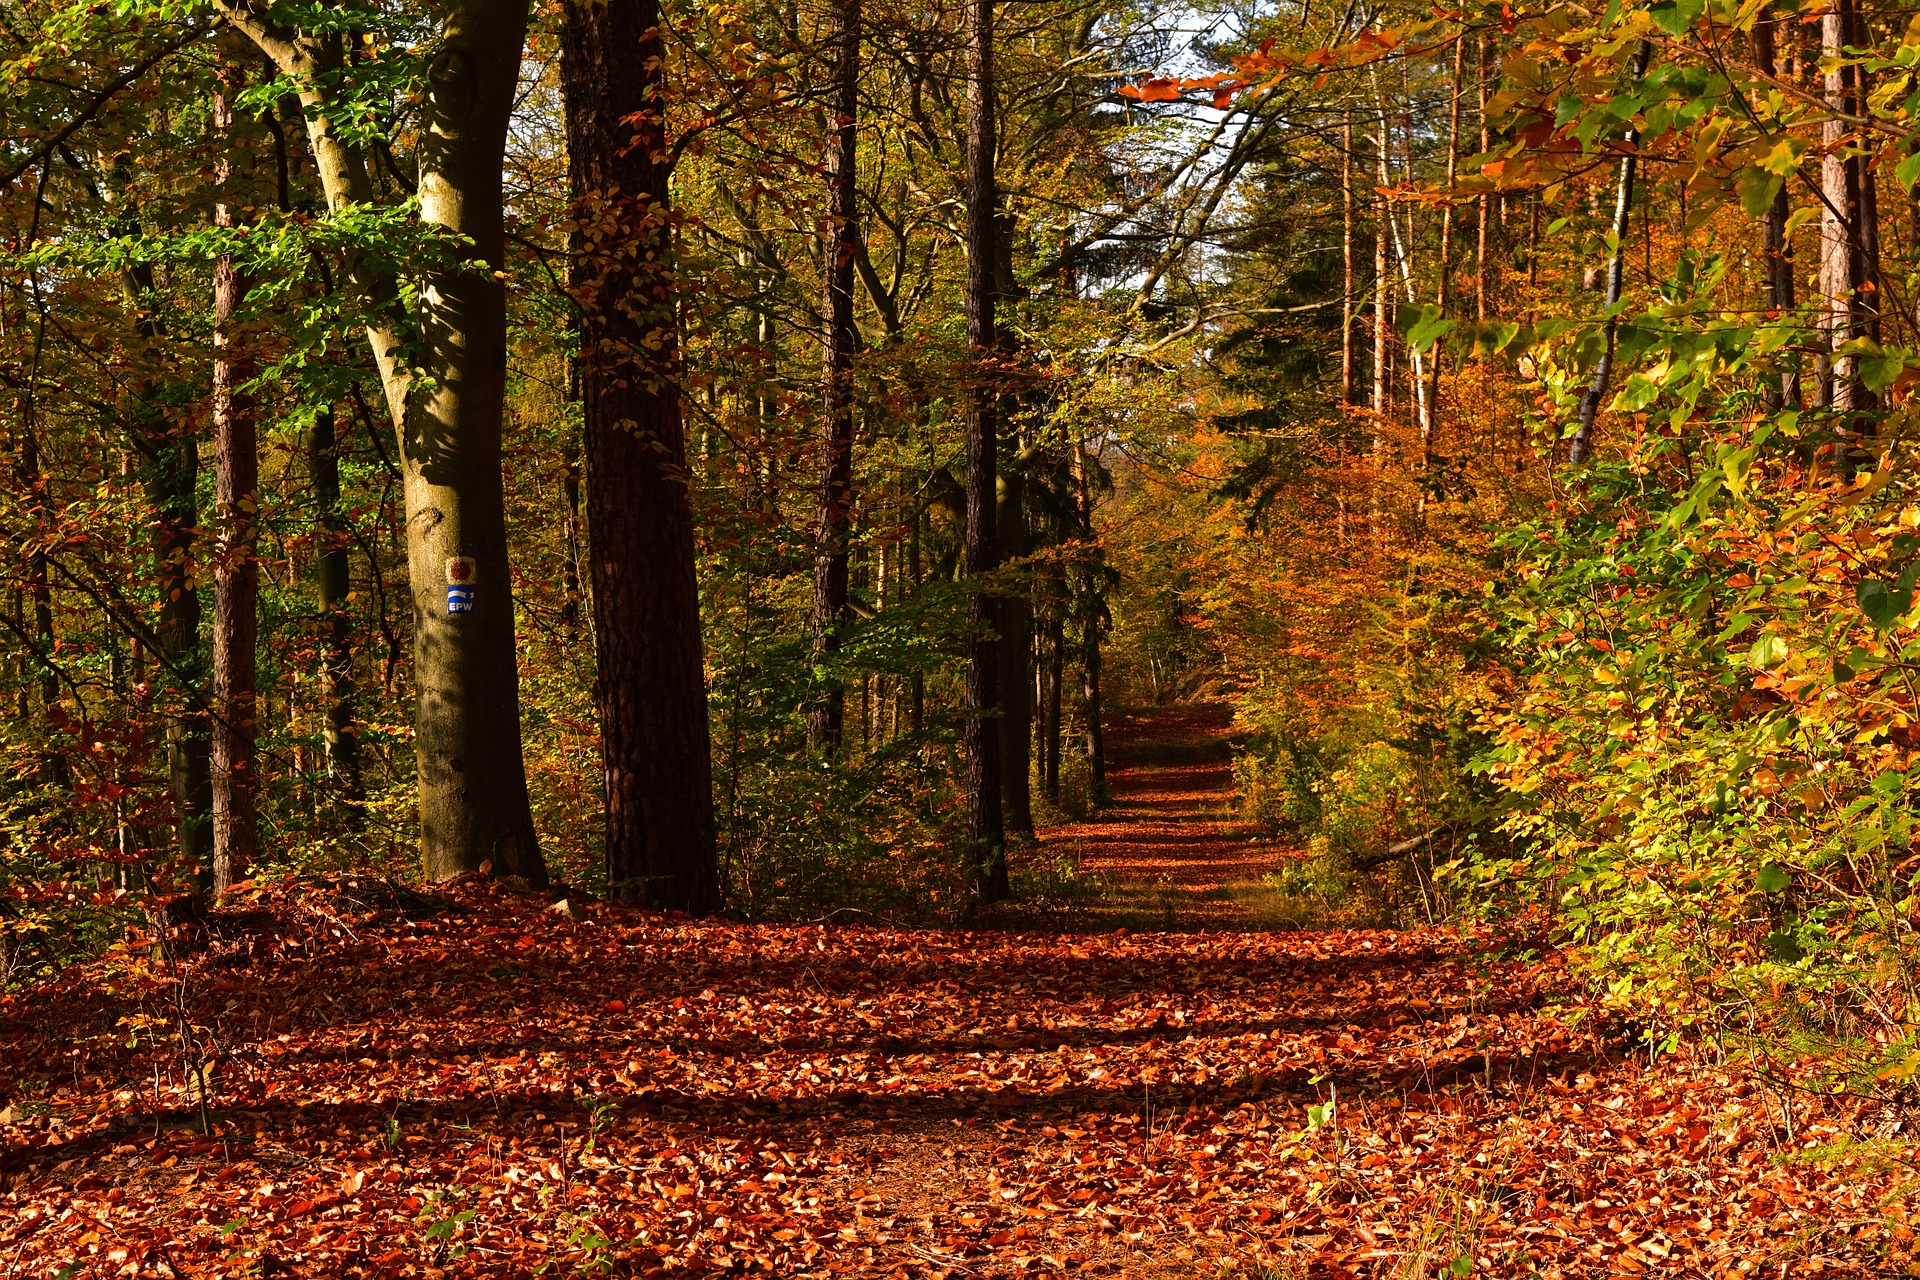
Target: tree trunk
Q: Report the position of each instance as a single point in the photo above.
(646, 607)
(236, 566)
(1480, 260)
(1580, 446)
(824, 721)
(570, 514)
(1015, 659)
(471, 776)
(1382, 327)
(917, 682)
(1346, 261)
(170, 457)
(981, 738)
(1092, 614)
(1773, 231)
(1842, 224)
(331, 572)
(54, 766)
(1055, 640)
(1441, 292)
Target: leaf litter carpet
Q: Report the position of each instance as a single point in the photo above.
(472, 1085)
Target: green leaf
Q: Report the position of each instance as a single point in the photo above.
(1768, 651)
(1879, 366)
(1882, 604)
(1784, 159)
(1675, 16)
(1773, 879)
(1757, 187)
(1908, 170)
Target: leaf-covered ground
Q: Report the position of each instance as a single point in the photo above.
(475, 1085)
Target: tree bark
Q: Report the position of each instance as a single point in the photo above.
(1015, 653)
(1480, 259)
(646, 607)
(1442, 289)
(1842, 224)
(471, 776)
(834, 528)
(835, 524)
(980, 738)
(170, 462)
(1092, 615)
(54, 766)
(1346, 261)
(1382, 328)
(236, 566)
(570, 511)
(1773, 231)
(1581, 444)
(331, 573)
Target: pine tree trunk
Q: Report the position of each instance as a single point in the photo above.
(332, 574)
(470, 773)
(980, 737)
(236, 567)
(824, 721)
(646, 608)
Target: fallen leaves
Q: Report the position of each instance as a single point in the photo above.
(461, 1093)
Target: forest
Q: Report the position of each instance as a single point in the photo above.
(671, 637)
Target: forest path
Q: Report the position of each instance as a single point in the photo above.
(1168, 845)
(472, 1085)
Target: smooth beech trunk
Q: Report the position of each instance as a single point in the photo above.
(835, 525)
(646, 608)
(471, 776)
(236, 566)
(980, 737)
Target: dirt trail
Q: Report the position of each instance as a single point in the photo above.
(1168, 844)
(480, 1087)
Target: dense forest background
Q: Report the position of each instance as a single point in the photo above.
(1504, 408)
